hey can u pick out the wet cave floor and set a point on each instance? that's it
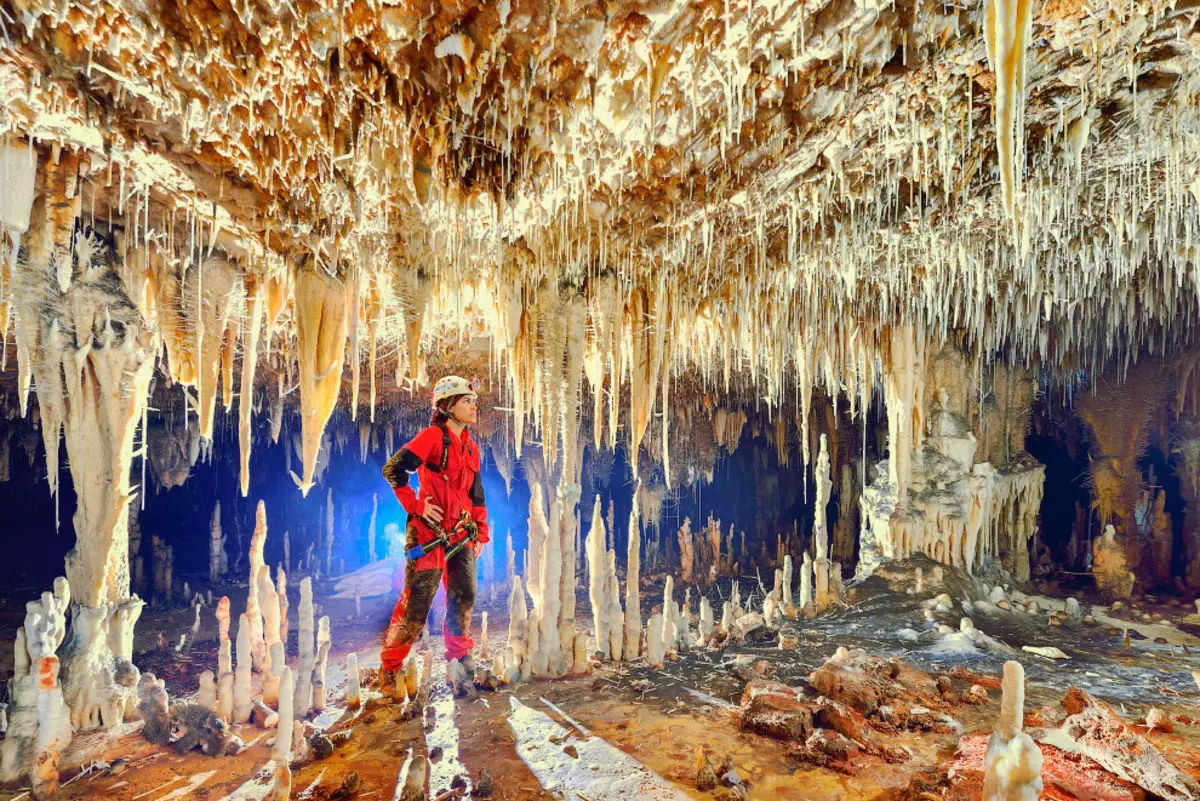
(588, 737)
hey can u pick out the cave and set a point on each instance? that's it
(663, 400)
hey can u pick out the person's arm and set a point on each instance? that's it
(479, 508)
(405, 461)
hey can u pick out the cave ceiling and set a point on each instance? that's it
(765, 189)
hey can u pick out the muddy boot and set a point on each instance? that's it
(460, 675)
(387, 682)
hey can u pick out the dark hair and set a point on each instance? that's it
(441, 411)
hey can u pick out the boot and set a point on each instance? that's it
(387, 682)
(460, 676)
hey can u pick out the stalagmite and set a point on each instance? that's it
(225, 676)
(371, 557)
(1013, 763)
(281, 753)
(321, 340)
(353, 686)
(536, 663)
(598, 586)
(547, 657)
(706, 626)
(241, 683)
(329, 532)
(820, 529)
(616, 635)
(253, 612)
(687, 552)
(207, 695)
(269, 603)
(655, 652)
(570, 555)
(539, 530)
(303, 694)
(323, 643)
(215, 547)
(483, 637)
(633, 587)
(281, 593)
(580, 654)
(806, 581)
(670, 629)
(518, 627)
(786, 587)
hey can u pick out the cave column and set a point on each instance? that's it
(91, 356)
(944, 492)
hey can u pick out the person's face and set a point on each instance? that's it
(465, 410)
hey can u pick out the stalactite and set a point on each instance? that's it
(254, 314)
(321, 340)
(1006, 31)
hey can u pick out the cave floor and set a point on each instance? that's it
(633, 731)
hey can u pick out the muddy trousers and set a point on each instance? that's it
(420, 587)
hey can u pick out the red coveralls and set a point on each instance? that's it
(455, 488)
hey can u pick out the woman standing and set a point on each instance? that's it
(451, 503)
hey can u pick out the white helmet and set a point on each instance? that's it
(453, 385)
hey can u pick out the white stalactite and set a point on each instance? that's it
(321, 341)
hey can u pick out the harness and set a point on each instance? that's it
(443, 538)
